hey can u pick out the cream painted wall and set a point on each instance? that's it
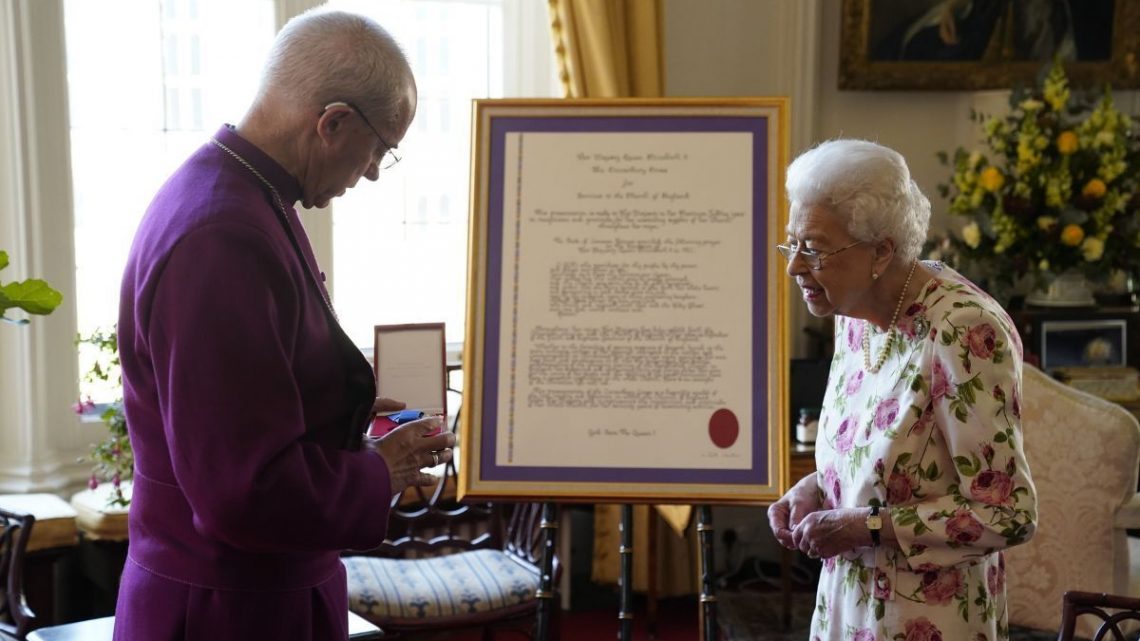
(791, 47)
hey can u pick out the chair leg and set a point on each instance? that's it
(555, 625)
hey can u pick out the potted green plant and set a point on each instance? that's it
(33, 295)
(112, 458)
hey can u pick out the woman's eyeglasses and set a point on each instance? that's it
(813, 257)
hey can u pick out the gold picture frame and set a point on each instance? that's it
(900, 44)
(561, 398)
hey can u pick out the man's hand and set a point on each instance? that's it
(387, 405)
(408, 449)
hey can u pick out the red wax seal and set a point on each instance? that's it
(723, 428)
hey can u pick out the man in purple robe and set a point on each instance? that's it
(245, 400)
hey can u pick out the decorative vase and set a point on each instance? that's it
(1070, 289)
(1116, 291)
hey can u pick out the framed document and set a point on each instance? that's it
(410, 366)
(626, 339)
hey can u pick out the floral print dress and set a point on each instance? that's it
(935, 437)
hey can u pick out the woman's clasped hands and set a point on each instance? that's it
(799, 523)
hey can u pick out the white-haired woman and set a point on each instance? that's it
(921, 478)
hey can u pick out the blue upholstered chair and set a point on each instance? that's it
(450, 566)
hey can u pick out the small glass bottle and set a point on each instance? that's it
(808, 426)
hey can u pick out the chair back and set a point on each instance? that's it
(1083, 454)
(524, 535)
(16, 617)
(427, 522)
(431, 521)
(1112, 610)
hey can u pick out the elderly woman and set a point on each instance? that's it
(921, 478)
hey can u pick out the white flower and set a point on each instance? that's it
(972, 234)
(1030, 105)
(1092, 248)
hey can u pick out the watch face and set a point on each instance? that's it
(875, 522)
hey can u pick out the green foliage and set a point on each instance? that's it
(33, 295)
(112, 458)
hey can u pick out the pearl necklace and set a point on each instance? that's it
(282, 213)
(892, 333)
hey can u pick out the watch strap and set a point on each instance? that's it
(874, 524)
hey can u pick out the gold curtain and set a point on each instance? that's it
(613, 49)
(609, 48)
(676, 557)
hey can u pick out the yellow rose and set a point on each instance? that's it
(991, 179)
(1094, 188)
(972, 234)
(1045, 223)
(1092, 248)
(1072, 235)
(1067, 142)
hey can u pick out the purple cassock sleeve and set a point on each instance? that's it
(245, 372)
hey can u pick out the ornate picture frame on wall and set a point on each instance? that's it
(938, 45)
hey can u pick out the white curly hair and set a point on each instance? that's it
(868, 185)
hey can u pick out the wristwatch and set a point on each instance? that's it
(874, 524)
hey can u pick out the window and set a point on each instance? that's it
(175, 70)
(140, 102)
(400, 244)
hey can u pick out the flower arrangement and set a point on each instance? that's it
(112, 458)
(1057, 190)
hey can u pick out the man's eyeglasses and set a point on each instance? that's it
(813, 257)
(389, 158)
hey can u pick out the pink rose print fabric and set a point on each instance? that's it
(935, 437)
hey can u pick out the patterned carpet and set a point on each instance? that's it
(746, 615)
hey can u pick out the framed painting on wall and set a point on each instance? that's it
(986, 44)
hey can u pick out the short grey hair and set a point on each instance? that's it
(323, 56)
(866, 184)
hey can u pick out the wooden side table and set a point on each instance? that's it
(102, 546)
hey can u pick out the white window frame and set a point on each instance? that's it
(41, 437)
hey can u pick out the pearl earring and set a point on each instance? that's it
(874, 276)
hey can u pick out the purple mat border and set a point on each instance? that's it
(759, 127)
